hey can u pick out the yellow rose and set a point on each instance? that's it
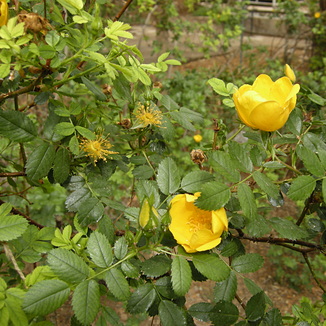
(3, 12)
(266, 105)
(194, 228)
(289, 73)
(317, 14)
(198, 138)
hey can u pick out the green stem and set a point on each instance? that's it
(235, 134)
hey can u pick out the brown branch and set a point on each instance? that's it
(17, 212)
(12, 174)
(305, 209)
(121, 12)
(11, 257)
(284, 242)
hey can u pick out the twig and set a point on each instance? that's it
(240, 301)
(17, 212)
(121, 12)
(305, 209)
(11, 257)
(12, 174)
(305, 256)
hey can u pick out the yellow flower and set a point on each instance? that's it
(266, 105)
(97, 149)
(198, 138)
(317, 15)
(3, 12)
(289, 73)
(147, 115)
(194, 228)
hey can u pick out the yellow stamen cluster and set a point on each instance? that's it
(147, 115)
(97, 149)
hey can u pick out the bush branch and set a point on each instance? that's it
(124, 8)
(12, 174)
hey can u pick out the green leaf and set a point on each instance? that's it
(106, 227)
(16, 314)
(121, 248)
(273, 318)
(100, 250)
(240, 155)
(12, 227)
(74, 145)
(193, 180)
(266, 184)
(288, 229)
(255, 307)
(254, 289)
(181, 275)
(201, 311)
(86, 301)
(317, 99)
(168, 178)
(143, 172)
(64, 128)
(247, 263)
(45, 297)
(247, 201)
(226, 290)
(302, 187)
(86, 133)
(61, 165)
(168, 102)
(311, 161)
(40, 161)
(77, 198)
(211, 266)
(67, 265)
(224, 165)
(110, 316)
(224, 313)
(129, 269)
(94, 89)
(47, 51)
(117, 284)
(324, 189)
(142, 298)
(90, 211)
(16, 126)
(170, 314)
(258, 226)
(218, 86)
(4, 69)
(214, 195)
(156, 266)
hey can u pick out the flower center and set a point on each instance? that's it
(200, 220)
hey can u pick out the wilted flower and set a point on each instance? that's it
(194, 228)
(198, 156)
(198, 138)
(317, 15)
(3, 12)
(147, 115)
(289, 73)
(266, 105)
(97, 149)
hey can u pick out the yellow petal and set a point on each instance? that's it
(262, 85)
(219, 221)
(3, 12)
(280, 90)
(289, 73)
(204, 240)
(269, 116)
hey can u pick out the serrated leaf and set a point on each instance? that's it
(214, 195)
(106, 227)
(94, 89)
(91, 210)
(211, 266)
(110, 316)
(129, 269)
(255, 307)
(121, 248)
(254, 289)
(16, 314)
(311, 161)
(247, 201)
(148, 189)
(273, 317)
(201, 311)
(182, 118)
(141, 299)
(247, 263)
(240, 155)
(77, 198)
(258, 226)
(64, 128)
(224, 313)
(170, 314)
(16, 126)
(226, 290)
(45, 297)
(100, 250)
(61, 165)
(266, 184)
(168, 178)
(218, 86)
(86, 301)
(12, 227)
(193, 180)
(67, 265)
(181, 275)
(86, 133)
(288, 229)
(168, 102)
(117, 284)
(302, 187)
(40, 161)
(156, 266)
(143, 172)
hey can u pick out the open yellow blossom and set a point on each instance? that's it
(194, 228)
(289, 73)
(147, 115)
(266, 105)
(97, 149)
(3, 12)
(198, 138)
(317, 15)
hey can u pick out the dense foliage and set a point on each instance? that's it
(119, 184)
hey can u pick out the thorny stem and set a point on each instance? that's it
(305, 256)
(121, 12)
